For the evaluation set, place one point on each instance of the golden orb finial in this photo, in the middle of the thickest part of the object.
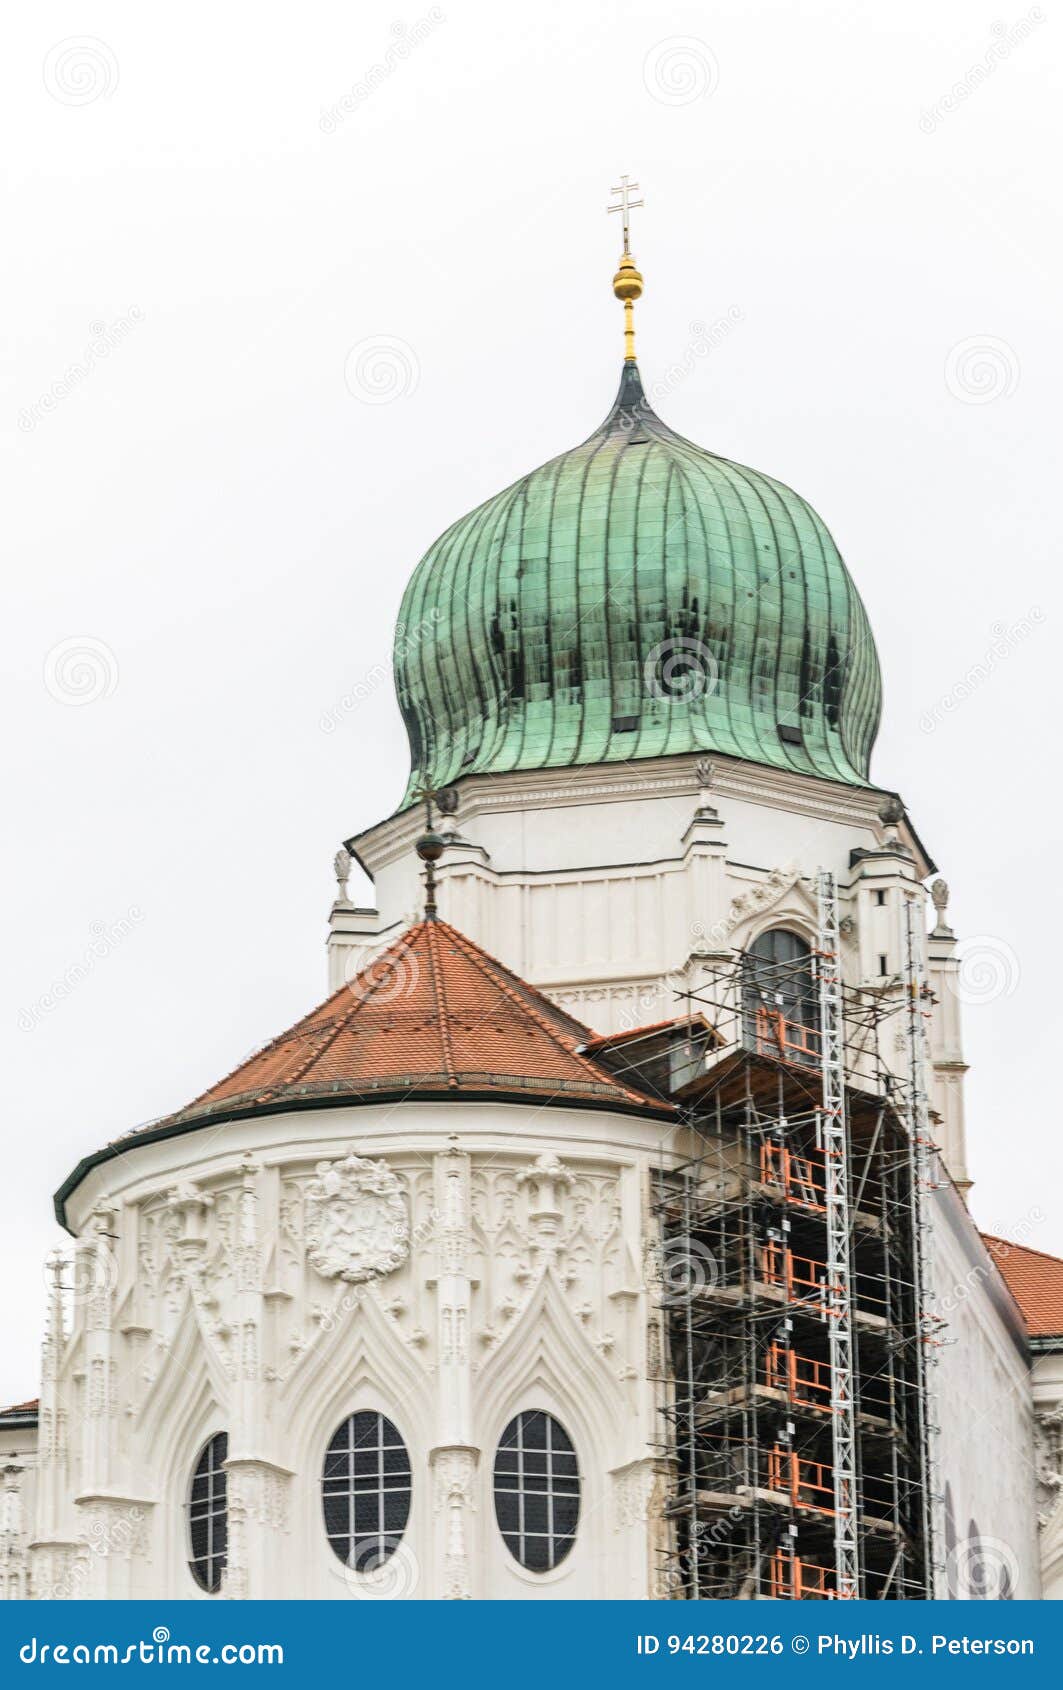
(627, 283)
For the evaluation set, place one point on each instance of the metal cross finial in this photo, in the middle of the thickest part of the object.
(626, 206)
(429, 847)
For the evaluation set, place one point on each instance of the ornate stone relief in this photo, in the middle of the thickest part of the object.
(549, 1215)
(455, 1474)
(761, 897)
(1049, 1447)
(355, 1220)
(633, 1490)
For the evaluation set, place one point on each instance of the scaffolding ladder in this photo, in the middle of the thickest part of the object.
(834, 1132)
(921, 1154)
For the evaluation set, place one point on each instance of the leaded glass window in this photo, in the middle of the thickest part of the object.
(537, 1490)
(208, 1515)
(365, 1491)
(779, 997)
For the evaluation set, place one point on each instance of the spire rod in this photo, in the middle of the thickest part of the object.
(430, 847)
(627, 283)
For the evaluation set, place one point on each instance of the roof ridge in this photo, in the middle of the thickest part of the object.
(1027, 1249)
(304, 1023)
(685, 1020)
(385, 963)
(507, 978)
(439, 992)
(487, 965)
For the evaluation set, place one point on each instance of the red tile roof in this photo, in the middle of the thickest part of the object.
(434, 1013)
(674, 1023)
(30, 1407)
(1035, 1280)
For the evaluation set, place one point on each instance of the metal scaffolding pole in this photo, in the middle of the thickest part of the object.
(836, 1157)
(921, 1158)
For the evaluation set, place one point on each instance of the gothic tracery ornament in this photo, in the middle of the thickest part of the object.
(356, 1222)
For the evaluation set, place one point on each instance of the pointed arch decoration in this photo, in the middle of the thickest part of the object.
(785, 899)
(546, 1346)
(359, 1351)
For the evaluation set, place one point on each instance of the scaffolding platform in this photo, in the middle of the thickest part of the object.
(794, 1308)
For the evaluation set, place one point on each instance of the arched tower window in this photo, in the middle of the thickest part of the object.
(779, 997)
(537, 1490)
(365, 1491)
(208, 1514)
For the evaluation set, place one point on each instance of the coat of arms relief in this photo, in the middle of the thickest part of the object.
(356, 1222)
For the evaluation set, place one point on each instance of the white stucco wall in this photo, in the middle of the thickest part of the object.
(983, 1406)
(522, 1286)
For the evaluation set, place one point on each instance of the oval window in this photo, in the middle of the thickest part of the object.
(365, 1491)
(537, 1490)
(208, 1515)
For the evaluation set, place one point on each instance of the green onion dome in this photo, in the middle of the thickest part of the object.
(636, 597)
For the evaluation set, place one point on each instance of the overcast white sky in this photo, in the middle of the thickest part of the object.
(206, 215)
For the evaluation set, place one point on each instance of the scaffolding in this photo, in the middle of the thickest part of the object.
(796, 1291)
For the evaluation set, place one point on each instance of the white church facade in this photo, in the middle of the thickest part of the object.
(394, 1309)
